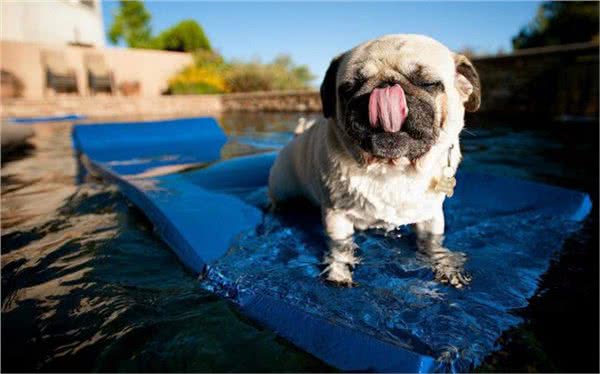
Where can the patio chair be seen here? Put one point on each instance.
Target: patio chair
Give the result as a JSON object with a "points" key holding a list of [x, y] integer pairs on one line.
{"points": [[98, 74], [10, 85], [59, 76]]}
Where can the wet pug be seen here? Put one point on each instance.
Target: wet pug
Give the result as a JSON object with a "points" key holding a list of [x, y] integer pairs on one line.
{"points": [[387, 149]]}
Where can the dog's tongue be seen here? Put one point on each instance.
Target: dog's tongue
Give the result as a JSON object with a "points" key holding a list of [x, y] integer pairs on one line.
{"points": [[387, 108]]}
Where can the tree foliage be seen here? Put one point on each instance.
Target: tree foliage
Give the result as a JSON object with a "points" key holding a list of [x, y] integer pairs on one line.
{"points": [[131, 23], [560, 23], [186, 36]]}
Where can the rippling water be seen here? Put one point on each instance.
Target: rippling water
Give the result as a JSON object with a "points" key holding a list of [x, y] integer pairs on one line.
{"points": [[87, 286]]}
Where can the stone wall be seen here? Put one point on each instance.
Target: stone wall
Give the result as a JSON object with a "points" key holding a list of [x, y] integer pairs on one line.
{"points": [[292, 101], [549, 82], [114, 106]]}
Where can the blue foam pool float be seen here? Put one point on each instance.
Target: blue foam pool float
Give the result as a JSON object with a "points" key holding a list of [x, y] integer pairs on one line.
{"points": [[59, 118], [213, 212]]}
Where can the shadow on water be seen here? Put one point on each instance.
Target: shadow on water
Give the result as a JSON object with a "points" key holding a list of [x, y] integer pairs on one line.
{"points": [[560, 332], [561, 329], [86, 285]]}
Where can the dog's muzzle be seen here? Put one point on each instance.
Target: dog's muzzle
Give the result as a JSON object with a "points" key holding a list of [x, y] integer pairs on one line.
{"points": [[389, 124]]}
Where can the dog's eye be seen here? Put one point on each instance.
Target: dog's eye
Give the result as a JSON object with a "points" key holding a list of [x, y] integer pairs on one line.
{"points": [[347, 89], [431, 86]]}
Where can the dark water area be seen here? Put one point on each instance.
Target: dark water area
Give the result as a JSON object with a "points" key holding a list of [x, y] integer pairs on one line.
{"points": [[87, 286]]}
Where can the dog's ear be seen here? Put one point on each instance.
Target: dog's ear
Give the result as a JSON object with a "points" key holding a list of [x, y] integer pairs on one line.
{"points": [[328, 95], [467, 83]]}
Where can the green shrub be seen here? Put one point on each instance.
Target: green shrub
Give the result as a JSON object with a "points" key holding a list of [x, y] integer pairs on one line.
{"points": [[200, 88], [211, 74], [209, 59], [288, 76], [246, 77], [186, 36], [197, 80], [281, 74]]}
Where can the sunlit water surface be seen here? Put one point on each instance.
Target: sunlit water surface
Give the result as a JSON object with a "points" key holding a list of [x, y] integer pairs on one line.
{"points": [[86, 285]]}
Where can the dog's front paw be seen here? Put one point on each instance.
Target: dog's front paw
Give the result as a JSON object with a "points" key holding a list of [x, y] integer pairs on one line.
{"points": [[448, 267], [455, 278], [339, 263], [339, 274]]}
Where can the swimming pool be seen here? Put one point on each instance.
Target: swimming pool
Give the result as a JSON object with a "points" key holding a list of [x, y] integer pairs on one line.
{"points": [[87, 286]]}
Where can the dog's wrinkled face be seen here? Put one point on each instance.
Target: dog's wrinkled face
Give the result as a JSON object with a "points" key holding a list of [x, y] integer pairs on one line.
{"points": [[394, 95]]}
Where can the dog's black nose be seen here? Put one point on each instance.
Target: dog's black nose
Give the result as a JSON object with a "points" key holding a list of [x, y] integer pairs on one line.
{"points": [[388, 83]]}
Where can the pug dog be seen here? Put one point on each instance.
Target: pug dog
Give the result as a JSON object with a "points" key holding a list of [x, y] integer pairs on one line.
{"points": [[386, 151]]}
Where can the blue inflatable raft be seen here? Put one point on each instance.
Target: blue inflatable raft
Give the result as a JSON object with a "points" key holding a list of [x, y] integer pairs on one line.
{"points": [[213, 212]]}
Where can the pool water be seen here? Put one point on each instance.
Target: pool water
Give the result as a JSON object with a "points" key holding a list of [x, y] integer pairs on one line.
{"points": [[86, 285]]}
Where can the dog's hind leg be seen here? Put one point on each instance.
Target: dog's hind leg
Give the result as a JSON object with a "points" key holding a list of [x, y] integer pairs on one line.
{"points": [[340, 258], [283, 183]]}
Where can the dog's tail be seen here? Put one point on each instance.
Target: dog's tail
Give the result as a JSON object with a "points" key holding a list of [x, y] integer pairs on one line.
{"points": [[303, 125]]}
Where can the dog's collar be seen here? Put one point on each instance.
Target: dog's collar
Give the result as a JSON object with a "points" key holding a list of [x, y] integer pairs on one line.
{"points": [[447, 182], [448, 171]]}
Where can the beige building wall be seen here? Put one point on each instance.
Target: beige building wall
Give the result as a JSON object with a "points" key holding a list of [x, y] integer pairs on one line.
{"points": [[151, 68], [52, 21]]}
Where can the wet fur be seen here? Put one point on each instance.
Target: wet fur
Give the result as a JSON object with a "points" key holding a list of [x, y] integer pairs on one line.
{"points": [[362, 178]]}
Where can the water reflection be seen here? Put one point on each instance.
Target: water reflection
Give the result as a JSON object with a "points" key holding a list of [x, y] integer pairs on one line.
{"points": [[87, 286]]}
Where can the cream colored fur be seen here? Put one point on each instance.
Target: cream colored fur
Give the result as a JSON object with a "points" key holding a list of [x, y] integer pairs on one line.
{"points": [[323, 166]]}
